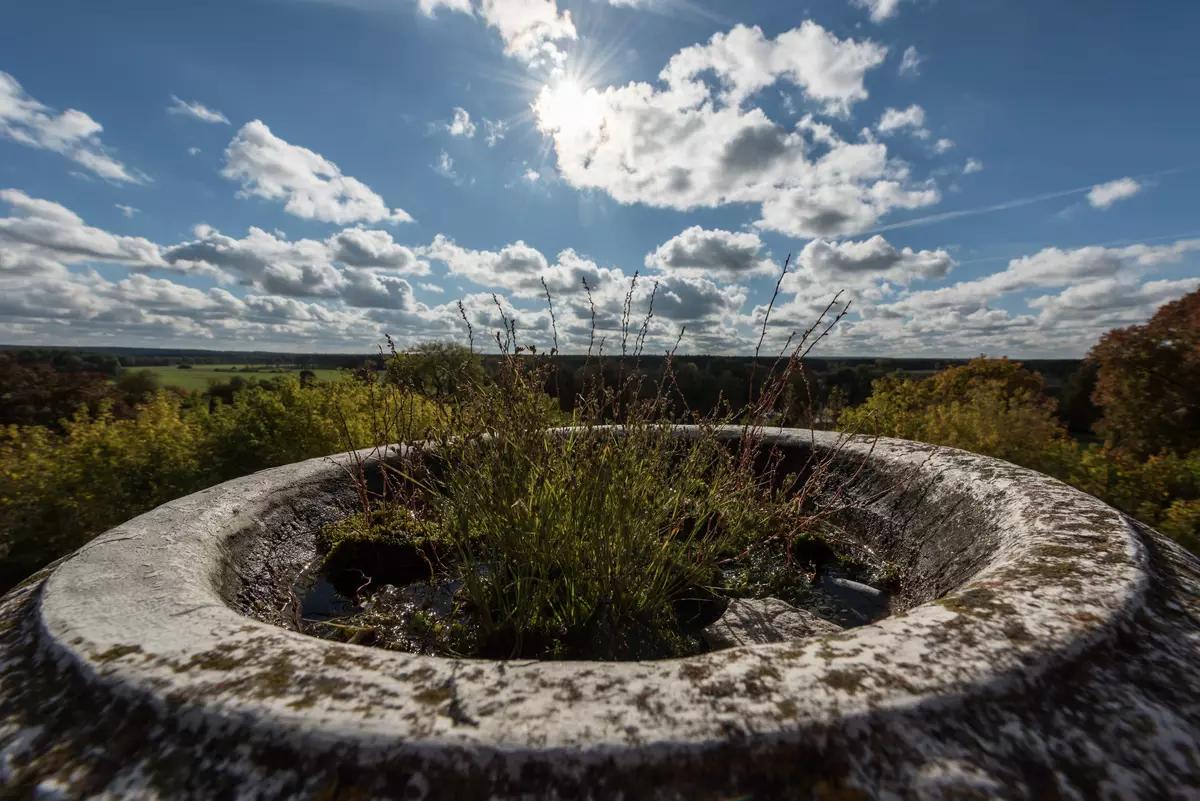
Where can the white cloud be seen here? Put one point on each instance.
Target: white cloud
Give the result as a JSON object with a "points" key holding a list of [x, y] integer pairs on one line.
{"points": [[195, 110], [943, 145], [430, 7], [445, 166], [879, 9], [828, 69], [1104, 195], [716, 254], [1122, 298], [40, 236], [911, 62], [973, 165], [700, 304], [311, 186], [71, 133], [1051, 267], [531, 175], [343, 292], [911, 118], [461, 125], [193, 151], [530, 29], [304, 267], [680, 147], [128, 211], [494, 131], [431, 288], [840, 264]]}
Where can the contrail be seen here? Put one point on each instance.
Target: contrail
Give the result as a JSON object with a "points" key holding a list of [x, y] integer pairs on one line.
{"points": [[1009, 204]]}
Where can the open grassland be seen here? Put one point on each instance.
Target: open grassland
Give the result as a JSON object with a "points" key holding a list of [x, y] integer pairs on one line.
{"points": [[201, 376]]}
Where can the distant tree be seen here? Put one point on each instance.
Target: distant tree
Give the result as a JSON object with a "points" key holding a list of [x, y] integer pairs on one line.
{"points": [[1148, 381], [440, 368], [34, 393], [307, 378], [990, 406], [137, 386], [185, 366]]}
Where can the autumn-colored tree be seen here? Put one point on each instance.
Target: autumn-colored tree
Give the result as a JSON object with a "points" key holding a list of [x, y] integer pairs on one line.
{"points": [[1148, 381], [991, 406]]}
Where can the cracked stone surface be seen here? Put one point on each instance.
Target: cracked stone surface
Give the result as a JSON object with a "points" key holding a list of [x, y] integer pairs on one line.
{"points": [[1043, 646]]}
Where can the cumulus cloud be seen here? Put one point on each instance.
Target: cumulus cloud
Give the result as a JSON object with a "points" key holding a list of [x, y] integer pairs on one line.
{"points": [[837, 264], [744, 61], [40, 236], [1118, 298], [196, 110], [461, 125], [193, 151], [304, 267], [880, 10], [128, 211], [716, 254], [1050, 267], [1102, 196], [531, 30], [972, 166], [943, 145], [310, 185], [71, 133], [911, 118], [430, 7], [911, 61], [688, 144]]}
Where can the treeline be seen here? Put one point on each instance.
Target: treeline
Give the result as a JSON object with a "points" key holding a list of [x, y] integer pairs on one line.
{"points": [[111, 361], [1143, 383]]}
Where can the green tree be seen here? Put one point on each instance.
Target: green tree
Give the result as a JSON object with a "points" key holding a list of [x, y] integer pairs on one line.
{"points": [[138, 385], [442, 369]]}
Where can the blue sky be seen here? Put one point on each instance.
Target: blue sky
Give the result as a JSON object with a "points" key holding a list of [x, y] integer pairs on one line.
{"points": [[975, 177]]}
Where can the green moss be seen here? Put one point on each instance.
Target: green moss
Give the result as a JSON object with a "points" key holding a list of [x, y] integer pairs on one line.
{"points": [[432, 696], [978, 602], [849, 681], [116, 652]]}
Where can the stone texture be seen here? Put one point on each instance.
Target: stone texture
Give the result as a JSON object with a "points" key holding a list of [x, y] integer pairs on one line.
{"points": [[864, 601], [757, 621], [1044, 646]]}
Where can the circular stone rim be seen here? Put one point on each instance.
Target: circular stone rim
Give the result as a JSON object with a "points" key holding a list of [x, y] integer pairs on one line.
{"points": [[139, 612]]}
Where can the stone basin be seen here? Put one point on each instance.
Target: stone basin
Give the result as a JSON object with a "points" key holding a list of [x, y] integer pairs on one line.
{"points": [[1043, 646]]}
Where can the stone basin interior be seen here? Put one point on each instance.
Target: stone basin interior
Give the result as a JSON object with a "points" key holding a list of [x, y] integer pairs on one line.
{"points": [[907, 551]]}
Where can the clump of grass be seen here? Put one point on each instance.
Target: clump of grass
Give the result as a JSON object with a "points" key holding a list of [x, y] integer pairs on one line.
{"points": [[596, 534]]}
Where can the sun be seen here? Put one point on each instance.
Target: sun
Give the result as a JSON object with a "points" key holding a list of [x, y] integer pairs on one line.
{"points": [[565, 105]]}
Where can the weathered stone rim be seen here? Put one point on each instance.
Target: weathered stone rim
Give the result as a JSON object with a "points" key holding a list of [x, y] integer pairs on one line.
{"points": [[140, 613]]}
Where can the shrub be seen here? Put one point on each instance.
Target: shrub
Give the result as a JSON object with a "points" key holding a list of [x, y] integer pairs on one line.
{"points": [[592, 540], [997, 408], [990, 406], [60, 488]]}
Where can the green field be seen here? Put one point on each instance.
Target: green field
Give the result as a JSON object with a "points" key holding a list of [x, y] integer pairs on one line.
{"points": [[201, 376]]}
